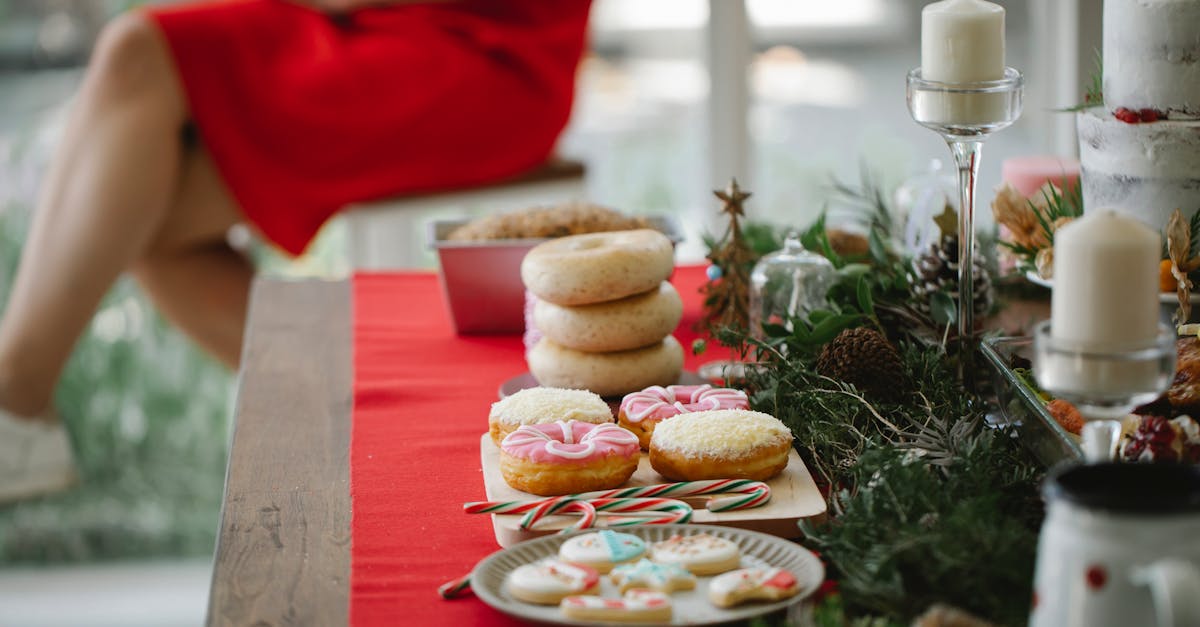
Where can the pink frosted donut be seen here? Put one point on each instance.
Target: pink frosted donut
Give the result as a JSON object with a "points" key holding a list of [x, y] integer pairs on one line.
{"points": [[568, 457], [641, 411]]}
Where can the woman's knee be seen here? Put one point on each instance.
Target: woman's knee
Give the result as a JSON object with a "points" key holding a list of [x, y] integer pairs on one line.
{"points": [[131, 58]]}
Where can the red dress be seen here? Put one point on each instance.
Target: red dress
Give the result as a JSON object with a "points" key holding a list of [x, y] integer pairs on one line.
{"points": [[303, 112]]}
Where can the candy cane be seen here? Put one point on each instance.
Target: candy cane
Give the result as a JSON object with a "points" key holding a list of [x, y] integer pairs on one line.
{"points": [[455, 587], [672, 511], [665, 511], [748, 494], [550, 507], [506, 507]]}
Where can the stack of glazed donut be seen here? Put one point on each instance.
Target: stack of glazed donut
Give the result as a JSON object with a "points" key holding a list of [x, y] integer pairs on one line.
{"points": [[605, 311]]}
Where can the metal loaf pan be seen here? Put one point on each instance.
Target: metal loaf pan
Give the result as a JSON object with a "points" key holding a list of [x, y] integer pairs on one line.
{"points": [[481, 280]]}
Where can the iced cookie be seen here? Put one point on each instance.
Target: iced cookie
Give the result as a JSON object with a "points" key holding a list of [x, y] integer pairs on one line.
{"points": [[645, 574], [637, 606], [702, 554], [751, 584], [549, 581], [602, 550]]}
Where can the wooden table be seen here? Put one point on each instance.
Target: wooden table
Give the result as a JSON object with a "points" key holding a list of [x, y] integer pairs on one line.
{"points": [[283, 550]]}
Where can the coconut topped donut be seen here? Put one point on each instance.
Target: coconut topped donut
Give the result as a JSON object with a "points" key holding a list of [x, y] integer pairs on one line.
{"points": [[720, 433], [723, 443], [598, 267], [543, 405]]}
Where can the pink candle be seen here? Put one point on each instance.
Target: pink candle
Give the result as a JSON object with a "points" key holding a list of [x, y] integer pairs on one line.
{"points": [[1028, 174]]}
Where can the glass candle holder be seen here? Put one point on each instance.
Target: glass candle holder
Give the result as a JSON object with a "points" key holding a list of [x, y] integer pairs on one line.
{"points": [[965, 114], [1104, 385]]}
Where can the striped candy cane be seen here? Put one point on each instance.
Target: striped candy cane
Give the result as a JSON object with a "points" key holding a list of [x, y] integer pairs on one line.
{"points": [[745, 495], [455, 588], [551, 507], [632, 511]]}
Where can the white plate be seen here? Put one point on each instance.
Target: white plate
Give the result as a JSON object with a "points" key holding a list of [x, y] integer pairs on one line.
{"points": [[1166, 298], [691, 607]]}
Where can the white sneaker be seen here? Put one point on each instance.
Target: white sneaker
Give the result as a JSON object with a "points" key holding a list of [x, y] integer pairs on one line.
{"points": [[35, 457]]}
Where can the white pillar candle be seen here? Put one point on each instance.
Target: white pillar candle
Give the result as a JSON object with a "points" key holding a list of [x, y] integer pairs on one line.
{"points": [[1105, 300], [1105, 282], [962, 41]]}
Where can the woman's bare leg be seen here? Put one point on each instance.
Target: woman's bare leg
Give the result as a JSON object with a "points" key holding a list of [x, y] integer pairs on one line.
{"points": [[190, 272], [106, 197]]}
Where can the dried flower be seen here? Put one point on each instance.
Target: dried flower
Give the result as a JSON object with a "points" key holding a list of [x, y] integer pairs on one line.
{"points": [[1041, 199], [1045, 263], [1179, 242], [1039, 204], [1013, 211]]}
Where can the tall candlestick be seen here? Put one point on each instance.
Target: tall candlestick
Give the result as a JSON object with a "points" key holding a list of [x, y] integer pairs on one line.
{"points": [[962, 41], [965, 93]]}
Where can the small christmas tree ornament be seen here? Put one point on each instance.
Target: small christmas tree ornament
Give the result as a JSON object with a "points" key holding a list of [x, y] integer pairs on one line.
{"points": [[865, 359], [788, 283], [727, 300], [936, 270]]}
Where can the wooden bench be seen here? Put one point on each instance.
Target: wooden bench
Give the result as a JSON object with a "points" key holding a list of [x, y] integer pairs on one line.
{"points": [[389, 234]]}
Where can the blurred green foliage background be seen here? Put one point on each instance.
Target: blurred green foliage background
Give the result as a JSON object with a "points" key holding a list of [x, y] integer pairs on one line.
{"points": [[149, 417]]}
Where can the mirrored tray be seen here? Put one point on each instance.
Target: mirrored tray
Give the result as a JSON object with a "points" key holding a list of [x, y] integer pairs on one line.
{"points": [[1022, 407]]}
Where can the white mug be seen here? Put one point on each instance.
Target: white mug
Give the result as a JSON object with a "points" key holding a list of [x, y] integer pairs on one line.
{"points": [[1120, 546]]}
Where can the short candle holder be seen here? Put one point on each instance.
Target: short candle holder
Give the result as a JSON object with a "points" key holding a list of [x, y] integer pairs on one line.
{"points": [[965, 114], [1104, 385]]}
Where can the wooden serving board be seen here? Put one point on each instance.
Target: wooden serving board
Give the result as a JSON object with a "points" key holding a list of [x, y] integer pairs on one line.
{"points": [[794, 496]]}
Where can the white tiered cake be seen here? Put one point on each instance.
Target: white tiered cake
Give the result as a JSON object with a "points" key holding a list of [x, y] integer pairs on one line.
{"points": [[1140, 152]]}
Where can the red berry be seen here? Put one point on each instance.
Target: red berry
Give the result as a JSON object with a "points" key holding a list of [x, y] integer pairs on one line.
{"points": [[1149, 115], [1096, 577], [1128, 116]]}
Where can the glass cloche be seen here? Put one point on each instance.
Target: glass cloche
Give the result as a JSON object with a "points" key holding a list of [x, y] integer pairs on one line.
{"points": [[788, 283]]}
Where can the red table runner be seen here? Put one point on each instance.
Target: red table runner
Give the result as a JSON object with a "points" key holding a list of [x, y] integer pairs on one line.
{"points": [[421, 400]]}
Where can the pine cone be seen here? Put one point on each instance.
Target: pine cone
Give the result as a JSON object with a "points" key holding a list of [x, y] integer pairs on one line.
{"points": [[936, 270], [864, 358]]}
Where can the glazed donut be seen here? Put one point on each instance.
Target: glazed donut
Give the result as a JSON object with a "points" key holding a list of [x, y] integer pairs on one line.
{"points": [[720, 444], [568, 457], [606, 374], [632, 322], [641, 411], [598, 267], [541, 405]]}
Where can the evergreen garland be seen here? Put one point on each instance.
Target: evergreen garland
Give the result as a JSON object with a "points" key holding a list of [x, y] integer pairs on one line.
{"points": [[927, 504]]}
